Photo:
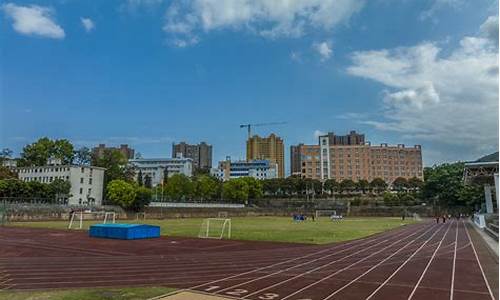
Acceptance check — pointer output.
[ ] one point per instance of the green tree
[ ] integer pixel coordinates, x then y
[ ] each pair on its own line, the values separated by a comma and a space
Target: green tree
121, 192
148, 183
330, 186
140, 181
254, 188
347, 185
400, 184
378, 185
235, 190
116, 167
415, 184
60, 188
6, 173
390, 199
363, 185
142, 198
37, 153
206, 187
14, 188
179, 187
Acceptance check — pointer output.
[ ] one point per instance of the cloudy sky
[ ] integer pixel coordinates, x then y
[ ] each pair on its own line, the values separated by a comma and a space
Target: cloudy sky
151, 72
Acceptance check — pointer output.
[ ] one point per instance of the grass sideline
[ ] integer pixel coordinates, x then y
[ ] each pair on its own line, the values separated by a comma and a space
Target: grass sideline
276, 229
133, 293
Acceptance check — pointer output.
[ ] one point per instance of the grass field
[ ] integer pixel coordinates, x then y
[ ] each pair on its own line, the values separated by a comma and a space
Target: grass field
280, 229
138, 293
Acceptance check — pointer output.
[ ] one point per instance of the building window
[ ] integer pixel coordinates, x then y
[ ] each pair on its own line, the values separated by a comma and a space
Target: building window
90, 180
81, 191
83, 169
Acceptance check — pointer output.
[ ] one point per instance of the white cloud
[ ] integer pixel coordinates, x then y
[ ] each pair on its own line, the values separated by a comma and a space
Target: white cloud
318, 133
489, 28
324, 50
448, 100
268, 18
438, 5
88, 24
33, 20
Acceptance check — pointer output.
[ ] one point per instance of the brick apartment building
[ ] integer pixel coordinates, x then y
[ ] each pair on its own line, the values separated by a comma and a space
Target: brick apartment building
355, 160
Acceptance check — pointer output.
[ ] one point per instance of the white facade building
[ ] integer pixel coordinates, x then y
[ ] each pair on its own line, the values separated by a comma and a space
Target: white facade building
258, 169
155, 167
86, 181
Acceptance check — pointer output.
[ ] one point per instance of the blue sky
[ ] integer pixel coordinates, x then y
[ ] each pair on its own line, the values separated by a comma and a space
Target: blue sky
151, 72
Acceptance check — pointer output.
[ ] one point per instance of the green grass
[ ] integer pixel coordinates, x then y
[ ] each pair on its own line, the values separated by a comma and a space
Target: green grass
280, 229
136, 293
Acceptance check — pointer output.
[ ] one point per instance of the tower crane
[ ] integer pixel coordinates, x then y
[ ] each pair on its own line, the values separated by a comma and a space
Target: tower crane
249, 126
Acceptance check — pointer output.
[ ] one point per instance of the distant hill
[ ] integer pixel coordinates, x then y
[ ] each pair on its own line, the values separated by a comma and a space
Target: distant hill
489, 158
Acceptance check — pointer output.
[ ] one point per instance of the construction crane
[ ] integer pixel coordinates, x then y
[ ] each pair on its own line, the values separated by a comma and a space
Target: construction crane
249, 126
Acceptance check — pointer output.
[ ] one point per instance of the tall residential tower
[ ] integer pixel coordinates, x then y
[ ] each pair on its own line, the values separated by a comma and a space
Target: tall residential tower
269, 148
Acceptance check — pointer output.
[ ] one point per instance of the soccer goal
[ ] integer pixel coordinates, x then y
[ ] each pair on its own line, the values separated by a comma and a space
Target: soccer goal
76, 215
109, 216
215, 228
325, 213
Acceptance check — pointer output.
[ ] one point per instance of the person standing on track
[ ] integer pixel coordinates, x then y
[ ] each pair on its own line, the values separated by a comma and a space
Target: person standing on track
444, 219
437, 219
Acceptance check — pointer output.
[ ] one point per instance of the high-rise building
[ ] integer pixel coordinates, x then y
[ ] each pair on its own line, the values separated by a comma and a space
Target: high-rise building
268, 148
356, 161
124, 149
201, 154
295, 165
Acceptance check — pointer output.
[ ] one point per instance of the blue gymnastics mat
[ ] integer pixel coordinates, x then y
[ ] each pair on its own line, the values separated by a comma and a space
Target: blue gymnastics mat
124, 231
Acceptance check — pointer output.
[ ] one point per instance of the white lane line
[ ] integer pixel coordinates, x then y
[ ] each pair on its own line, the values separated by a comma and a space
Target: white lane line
306, 263
402, 265
291, 260
454, 264
349, 266
428, 264
378, 264
479, 263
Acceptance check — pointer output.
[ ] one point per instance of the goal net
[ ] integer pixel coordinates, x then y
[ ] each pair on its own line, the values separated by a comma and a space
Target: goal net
215, 228
325, 213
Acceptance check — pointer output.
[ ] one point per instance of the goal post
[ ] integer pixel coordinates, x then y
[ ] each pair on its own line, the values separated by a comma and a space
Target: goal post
215, 228
79, 215
109, 216
325, 213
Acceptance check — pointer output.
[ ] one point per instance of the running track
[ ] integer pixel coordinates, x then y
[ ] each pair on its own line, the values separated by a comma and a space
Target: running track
422, 261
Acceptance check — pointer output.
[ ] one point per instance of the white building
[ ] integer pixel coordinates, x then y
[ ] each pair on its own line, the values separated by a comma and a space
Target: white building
86, 181
155, 167
258, 169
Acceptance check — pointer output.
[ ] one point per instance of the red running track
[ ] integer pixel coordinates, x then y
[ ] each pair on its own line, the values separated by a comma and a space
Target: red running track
421, 261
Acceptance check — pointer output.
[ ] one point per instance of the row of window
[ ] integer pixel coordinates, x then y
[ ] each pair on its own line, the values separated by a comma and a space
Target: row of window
45, 179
